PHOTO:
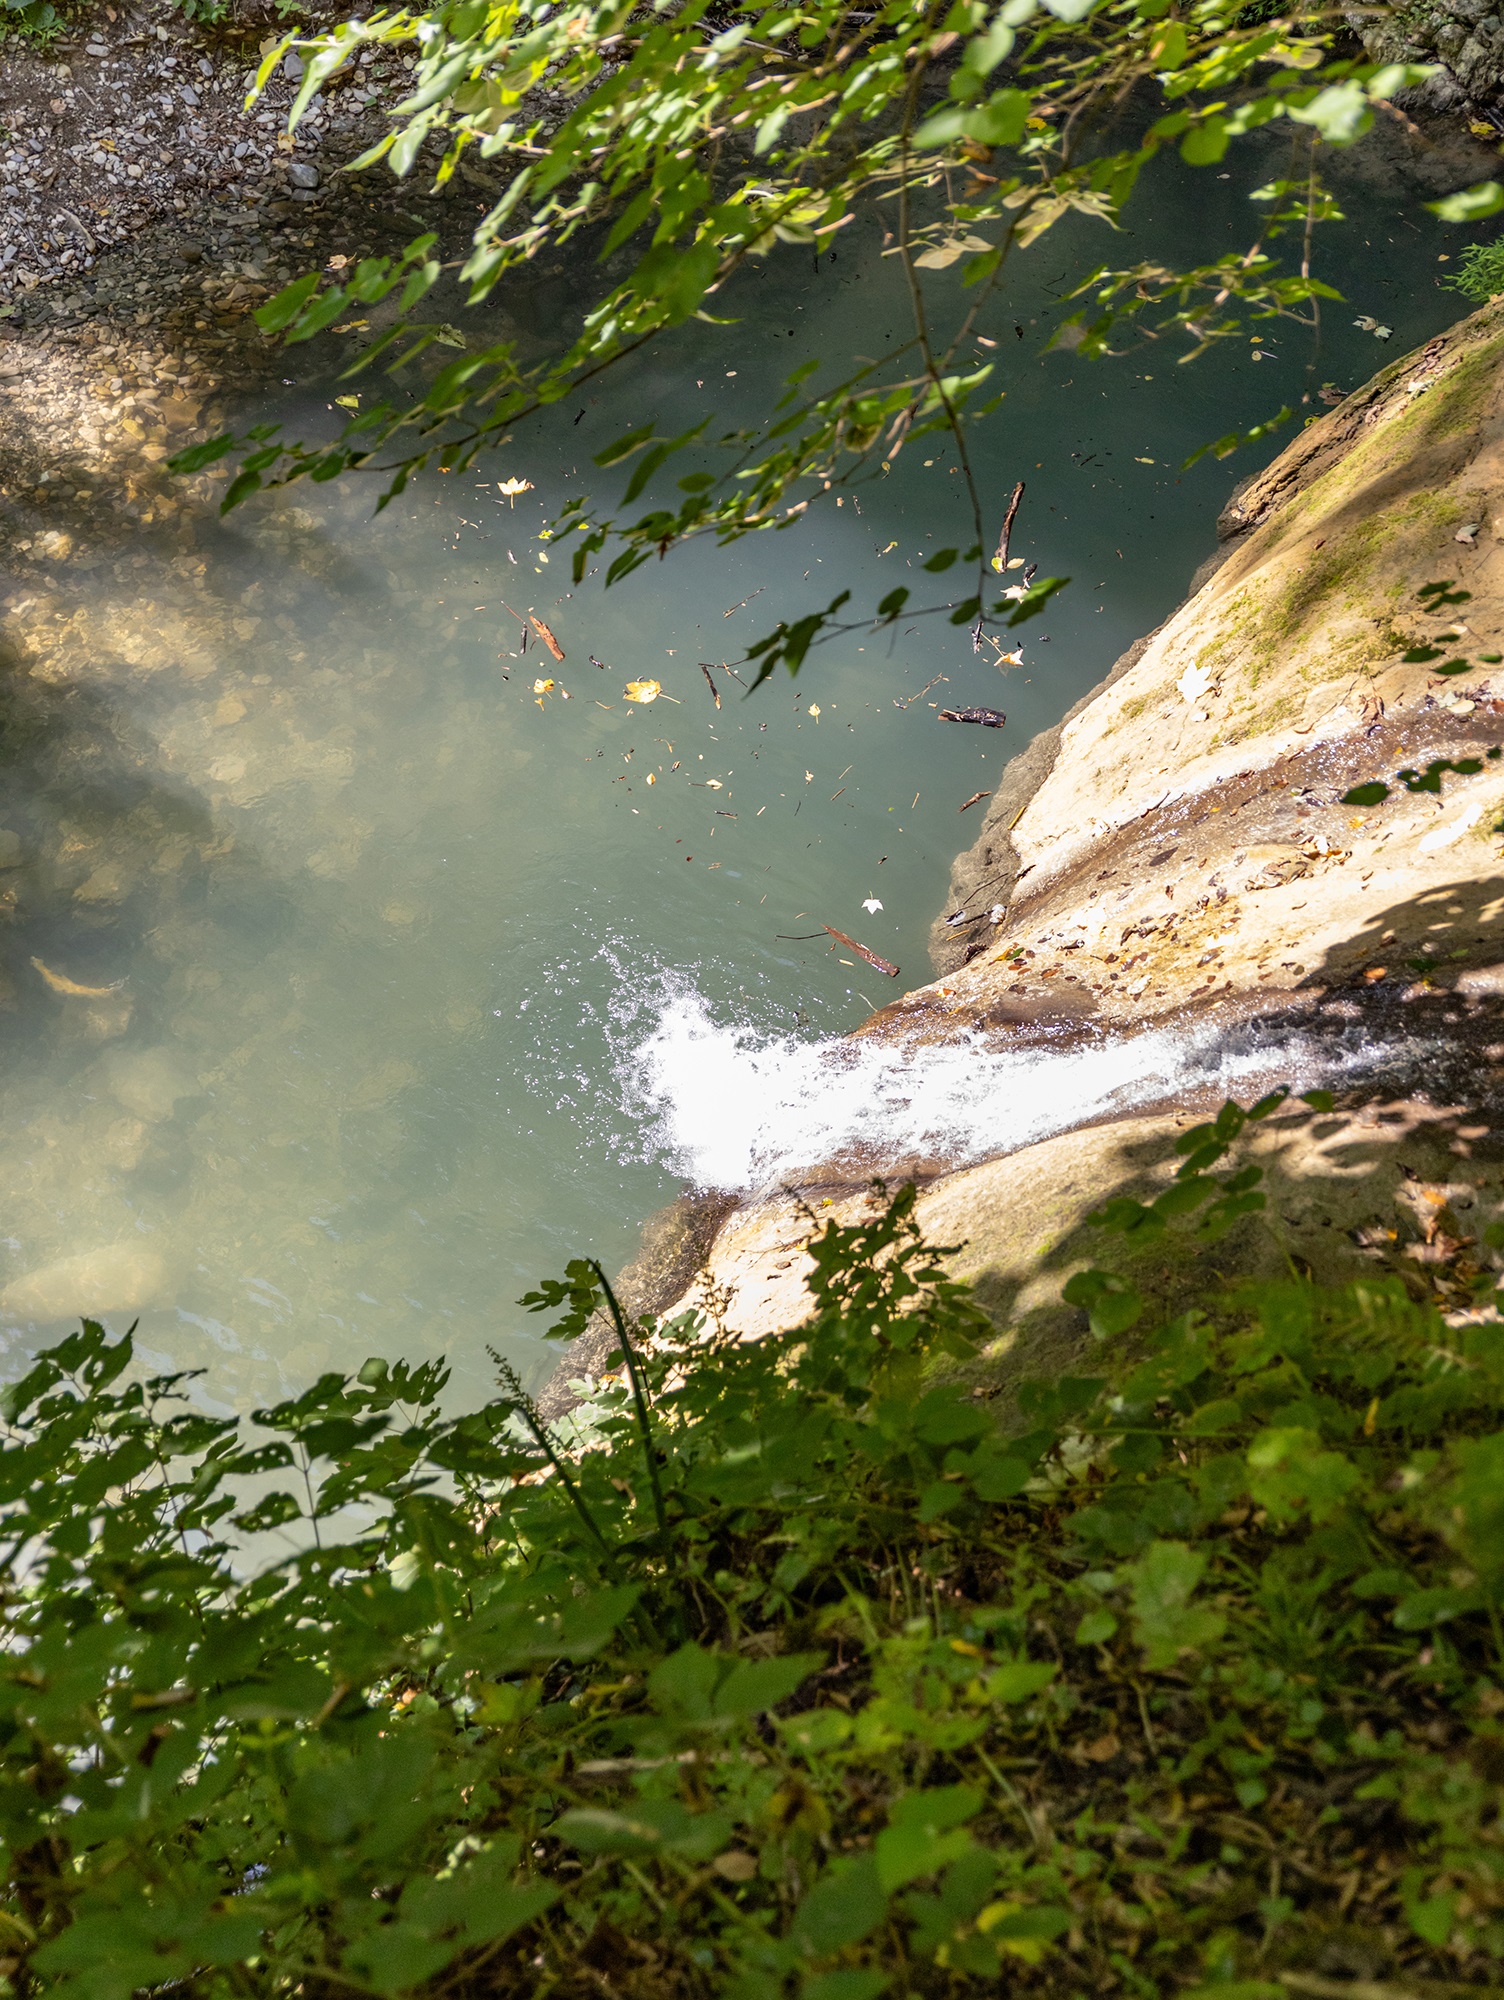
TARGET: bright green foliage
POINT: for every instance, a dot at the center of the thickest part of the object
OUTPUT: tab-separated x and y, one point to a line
1480	271
799	1677
693	139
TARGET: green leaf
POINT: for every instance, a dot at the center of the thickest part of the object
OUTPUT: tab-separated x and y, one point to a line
673	280
697	1685
1224	447
1036	597
1111	1303
1474	204
625	446
664	1826
1019	1680
284	307
1290	1472
197	456
1340	112
845	1905
852	1983
1205	143
1432	1918
272	1512
924	1833
1096	1628
1165	1621
1001	1478
1237	1989
1000	121
1424	1608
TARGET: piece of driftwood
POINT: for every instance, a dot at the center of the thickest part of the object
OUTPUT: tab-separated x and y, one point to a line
546	636
1000	560
870	957
989	718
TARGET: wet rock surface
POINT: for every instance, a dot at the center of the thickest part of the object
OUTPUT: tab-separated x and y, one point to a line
1180	859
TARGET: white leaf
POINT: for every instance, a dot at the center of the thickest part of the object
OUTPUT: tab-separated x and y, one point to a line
1194	683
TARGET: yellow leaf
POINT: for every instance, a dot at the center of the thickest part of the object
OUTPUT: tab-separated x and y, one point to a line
643	691
542	687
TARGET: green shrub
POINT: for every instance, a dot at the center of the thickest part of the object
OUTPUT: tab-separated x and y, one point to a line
1480	271
35	21
797	1676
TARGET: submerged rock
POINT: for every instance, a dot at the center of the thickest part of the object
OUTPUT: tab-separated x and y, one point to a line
118	1277
148	1082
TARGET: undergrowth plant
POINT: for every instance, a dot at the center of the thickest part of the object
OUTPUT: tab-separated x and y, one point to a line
1480	271
798	1674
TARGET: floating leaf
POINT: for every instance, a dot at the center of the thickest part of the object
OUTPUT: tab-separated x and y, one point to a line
642	691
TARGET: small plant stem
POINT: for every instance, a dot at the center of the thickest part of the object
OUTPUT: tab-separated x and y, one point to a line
539	1432
577	1500
1143	1716
639	1400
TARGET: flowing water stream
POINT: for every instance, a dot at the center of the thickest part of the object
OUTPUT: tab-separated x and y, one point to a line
406	983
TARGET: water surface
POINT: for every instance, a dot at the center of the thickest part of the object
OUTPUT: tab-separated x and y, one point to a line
409	982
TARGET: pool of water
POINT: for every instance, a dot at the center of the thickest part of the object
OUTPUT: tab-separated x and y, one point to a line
349	976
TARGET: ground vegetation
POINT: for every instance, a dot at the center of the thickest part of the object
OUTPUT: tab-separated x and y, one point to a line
793	1667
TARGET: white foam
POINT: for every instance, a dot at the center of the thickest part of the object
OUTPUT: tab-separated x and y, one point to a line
734	1107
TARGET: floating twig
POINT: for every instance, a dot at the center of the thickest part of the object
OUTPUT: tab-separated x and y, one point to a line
973	799
745	601
871	957
546	635
909	703
1000	560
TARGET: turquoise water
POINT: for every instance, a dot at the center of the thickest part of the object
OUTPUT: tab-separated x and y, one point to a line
411	983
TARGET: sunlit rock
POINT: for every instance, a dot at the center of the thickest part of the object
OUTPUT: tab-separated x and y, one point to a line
1267	850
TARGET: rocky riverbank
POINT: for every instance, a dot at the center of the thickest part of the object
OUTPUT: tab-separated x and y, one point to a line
1192	855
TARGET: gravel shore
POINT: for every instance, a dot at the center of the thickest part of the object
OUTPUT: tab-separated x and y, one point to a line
146	214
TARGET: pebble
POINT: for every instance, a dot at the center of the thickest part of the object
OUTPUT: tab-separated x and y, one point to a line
140	125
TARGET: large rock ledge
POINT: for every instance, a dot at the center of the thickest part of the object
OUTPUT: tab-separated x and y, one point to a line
1176	855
